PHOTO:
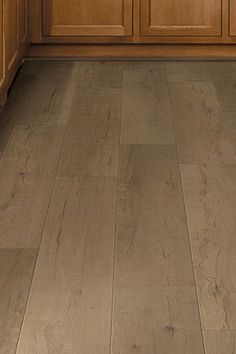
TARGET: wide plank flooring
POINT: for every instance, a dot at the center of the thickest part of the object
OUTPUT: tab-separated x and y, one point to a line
118	208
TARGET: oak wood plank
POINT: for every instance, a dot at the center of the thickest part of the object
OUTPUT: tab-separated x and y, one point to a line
92	148
216	71
226	92
17	267
32	149
88	159
201	133
100	74
156	320
155	303
220	342
9	114
210	197
23	208
72	300
152	238
94	123
28	167
179	71
146	111
50	97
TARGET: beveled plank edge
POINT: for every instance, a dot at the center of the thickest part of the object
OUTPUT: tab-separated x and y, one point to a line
36	250
185	213
158	51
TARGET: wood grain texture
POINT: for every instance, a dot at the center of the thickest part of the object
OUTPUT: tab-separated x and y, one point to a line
181	18
94	124
28	167
156	320
152	239
232	28
100	74
220	342
201	132
141	51
226	97
155	304
32	150
9	113
210	197
139	291
93	17
17	266
146	111
216	71
2	66
92	139
72	300
88	160
50	97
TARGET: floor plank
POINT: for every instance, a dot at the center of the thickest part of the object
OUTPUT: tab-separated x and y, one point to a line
69	308
201	132
88	160
17	267
9	114
99	74
152	238
220	342
32	149
49	100
156	320
216	71
28	168
153	269
92	139
210	196
146	111
94	123
226	92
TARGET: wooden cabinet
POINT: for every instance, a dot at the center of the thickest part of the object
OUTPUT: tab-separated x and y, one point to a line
87	17
181	17
15	30
13	34
22	23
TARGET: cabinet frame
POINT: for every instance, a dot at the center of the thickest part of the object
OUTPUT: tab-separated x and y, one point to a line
37	36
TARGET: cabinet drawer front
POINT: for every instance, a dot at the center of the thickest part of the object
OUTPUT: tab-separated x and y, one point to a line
87	17
181	17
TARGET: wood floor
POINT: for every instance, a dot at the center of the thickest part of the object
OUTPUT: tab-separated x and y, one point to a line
118	209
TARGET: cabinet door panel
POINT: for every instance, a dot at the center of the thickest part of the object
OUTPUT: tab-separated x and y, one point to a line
1	48
181	17
22	21
87	17
11	33
232	17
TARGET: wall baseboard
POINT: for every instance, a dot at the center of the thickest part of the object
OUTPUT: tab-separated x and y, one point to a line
141	51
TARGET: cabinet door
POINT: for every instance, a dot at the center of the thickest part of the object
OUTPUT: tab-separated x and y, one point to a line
181	17
1	49
11	34
87	17
22	22
15	32
232	18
